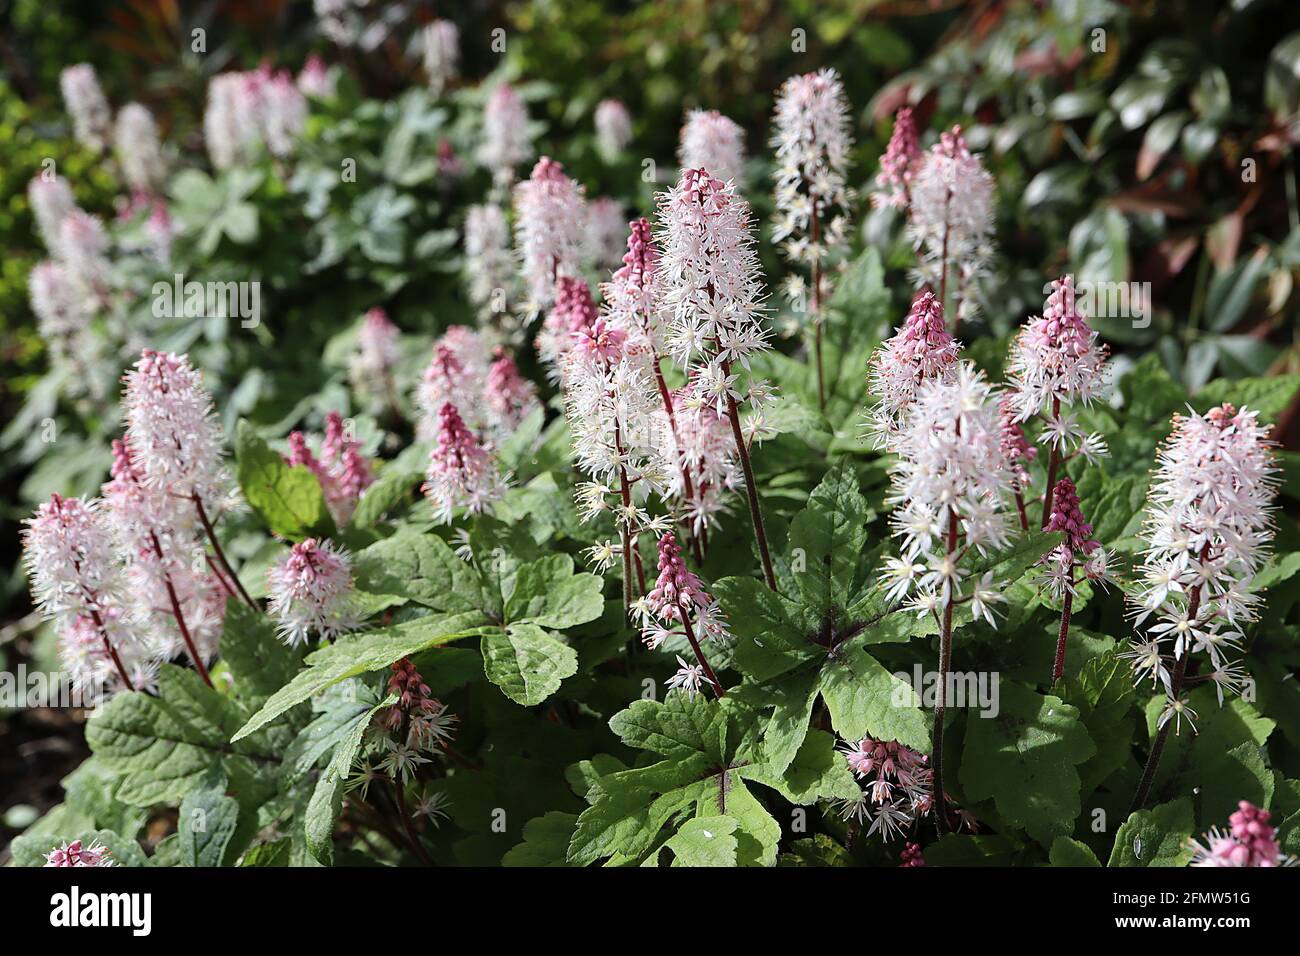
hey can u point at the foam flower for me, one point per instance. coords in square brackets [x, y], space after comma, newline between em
[921, 349]
[91, 115]
[138, 149]
[711, 141]
[899, 163]
[550, 230]
[462, 474]
[1250, 840]
[613, 129]
[441, 43]
[311, 592]
[507, 141]
[951, 222]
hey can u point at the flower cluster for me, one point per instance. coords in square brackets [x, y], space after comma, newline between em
[489, 262]
[416, 725]
[948, 486]
[1249, 841]
[371, 365]
[898, 786]
[78, 854]
[899, 163]
[138, 149]
[79, 583]
[550, 230]
[1057, 361]
[712, 282]
[462, 472]
[311, 592]
[921, 350]
[507, 140]
[613, 129]
[173, 430]
[315, 79]
[91, 115]
[951, 221]
[343, 471]
[1206, 530]
[711, 141]
[441, 44]
[255, 109]
[1078, 549]
[679, 605]
[812, 141]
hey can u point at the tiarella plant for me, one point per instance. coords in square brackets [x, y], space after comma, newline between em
[458, 546]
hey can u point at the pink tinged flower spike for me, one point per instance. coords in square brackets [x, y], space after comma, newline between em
[573, 314]
[550, 230]
[711, 141]
[77, 577]
[348, 467]
[679, 600]
[230, 120]
[948, 490]
[1057, 362]
[370, 368]
[138, 149]
[911, 856]
[86, 104]
[489, 261]
[457, 373]
[77, 853]
[1077, 550]
[951, 223]
[441, 45]
[631, 297]
[282, 112]
[606, 225]
[713, 290]
[462, 474]
[898, 786]
[173, 429]
[177, 439]
[613, 129]
[510, 398]
[1207, 530]
[1249, 841]
[316, 80]
[507, 139]
[813, 140]
[311, 592]
[83, 246]
[921, 350]
[418, 720]
[899, 164]
[62, 318]
[51, 201]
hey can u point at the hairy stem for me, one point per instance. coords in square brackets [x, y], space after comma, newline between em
[1176, 688]
[751, 488]
[941, 701]
[699, 653]
[221, 555]
[1058, 668]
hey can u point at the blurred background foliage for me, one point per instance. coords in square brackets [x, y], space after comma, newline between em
[1144, 141]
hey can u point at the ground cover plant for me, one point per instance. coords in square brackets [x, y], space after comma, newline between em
[420, 473]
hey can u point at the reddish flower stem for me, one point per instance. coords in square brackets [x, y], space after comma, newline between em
[941, 702]
[751, 489]
[221, 555]
[699, 653]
